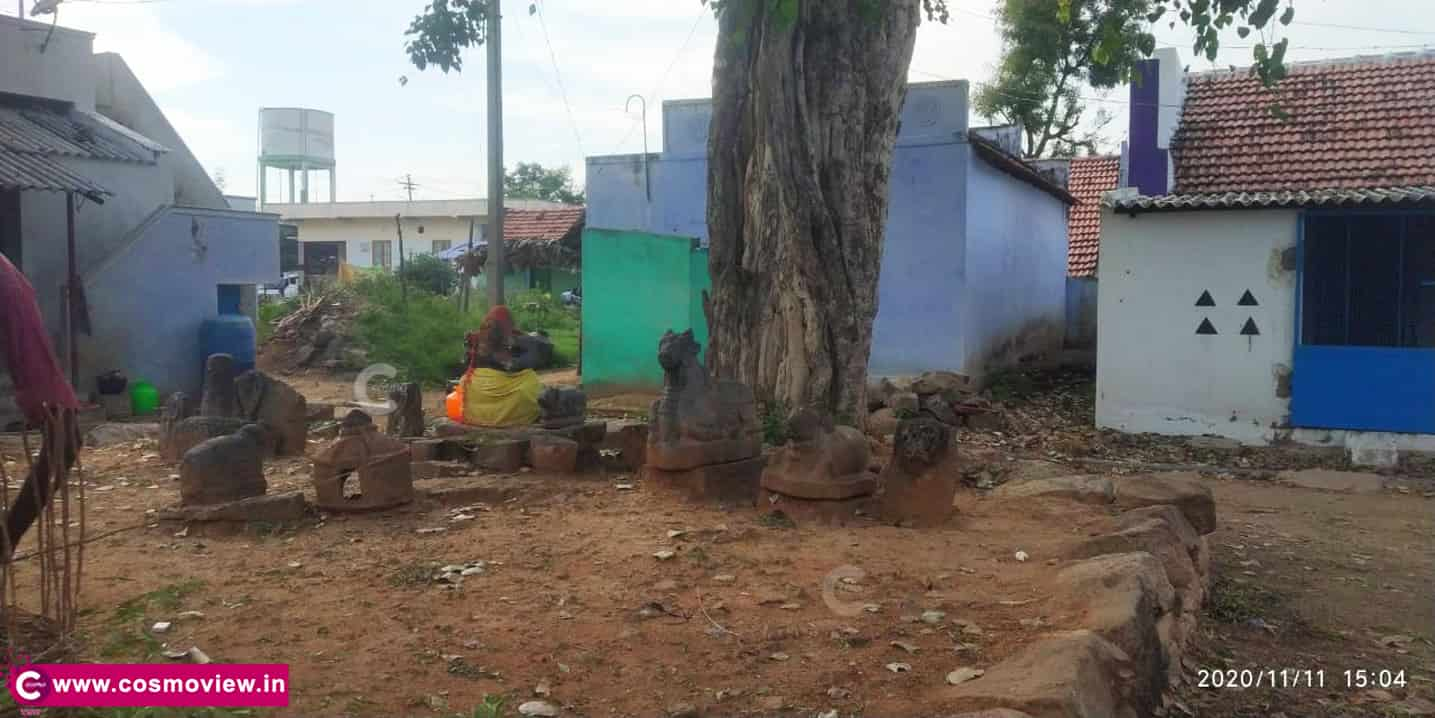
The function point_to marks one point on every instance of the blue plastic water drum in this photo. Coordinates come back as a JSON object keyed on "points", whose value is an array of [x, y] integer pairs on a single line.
{"points": [[231, 334]]}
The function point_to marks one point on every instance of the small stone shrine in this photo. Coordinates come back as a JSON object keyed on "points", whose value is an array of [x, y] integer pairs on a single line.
{"points": [[703, 436], [363, 469], [559, 407], [920, 482], [820, 473]]}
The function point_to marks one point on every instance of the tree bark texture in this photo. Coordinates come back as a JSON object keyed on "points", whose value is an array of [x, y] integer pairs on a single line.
{"points": [[805, 118]]}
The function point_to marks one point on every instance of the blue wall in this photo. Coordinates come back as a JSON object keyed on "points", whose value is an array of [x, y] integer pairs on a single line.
{"points": [[1016, 245], [148, 301], [1081, 312], [919, 324]]}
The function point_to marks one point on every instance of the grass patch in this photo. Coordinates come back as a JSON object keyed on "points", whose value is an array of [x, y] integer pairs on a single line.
{"points": [[776, 520], [1236, 603], [419, 573], [128, 636], [491, 707], [774, 417], [273, 311], [423, 336]]}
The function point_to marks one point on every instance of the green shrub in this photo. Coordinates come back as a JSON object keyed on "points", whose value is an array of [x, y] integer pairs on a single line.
{"points": [[430, 274], [273, 311]]}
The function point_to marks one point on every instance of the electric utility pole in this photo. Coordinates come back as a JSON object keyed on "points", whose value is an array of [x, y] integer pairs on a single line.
{"points": [[496, 250], [408, 183]]}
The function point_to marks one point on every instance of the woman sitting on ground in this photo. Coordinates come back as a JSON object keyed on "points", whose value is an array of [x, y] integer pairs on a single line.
{"points": [[500, 388]]}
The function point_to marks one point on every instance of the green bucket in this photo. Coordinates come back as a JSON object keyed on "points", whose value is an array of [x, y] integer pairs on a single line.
{"points": [[144, 398]]}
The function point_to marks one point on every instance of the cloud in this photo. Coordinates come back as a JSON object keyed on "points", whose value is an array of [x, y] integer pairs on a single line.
{"points": [[161, 58]]}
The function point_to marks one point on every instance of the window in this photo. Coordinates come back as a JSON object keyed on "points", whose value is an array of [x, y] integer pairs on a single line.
{"points": [[441, 245], [1369, 280], [383, 253]]}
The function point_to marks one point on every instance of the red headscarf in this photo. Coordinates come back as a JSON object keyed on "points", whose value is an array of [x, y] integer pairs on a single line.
{"points": [[26, 347], [493, 336]]}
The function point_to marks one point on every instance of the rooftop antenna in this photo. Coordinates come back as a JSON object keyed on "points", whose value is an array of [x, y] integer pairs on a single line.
{"points": [[643, 104], [42, 7]]}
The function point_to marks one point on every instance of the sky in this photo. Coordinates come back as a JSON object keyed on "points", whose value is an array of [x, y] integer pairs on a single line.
{"points": [[211, 64]]}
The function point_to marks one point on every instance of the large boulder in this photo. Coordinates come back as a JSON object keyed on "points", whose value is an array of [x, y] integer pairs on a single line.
{"points": [[1077, 673], [1163, 532], [1184, 490], [941, 382]]}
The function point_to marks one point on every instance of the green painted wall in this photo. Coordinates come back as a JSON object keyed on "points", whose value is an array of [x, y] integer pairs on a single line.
{"points": [[635, 287]]}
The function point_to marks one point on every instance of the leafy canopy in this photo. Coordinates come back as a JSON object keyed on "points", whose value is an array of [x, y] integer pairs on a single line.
{"points": [[1047, 62], [440, 33], [530, 180]]}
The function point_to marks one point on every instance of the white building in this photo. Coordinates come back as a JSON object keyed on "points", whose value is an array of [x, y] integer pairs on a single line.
{"points": [[1271, 275], [365, 234], [157, 247]]}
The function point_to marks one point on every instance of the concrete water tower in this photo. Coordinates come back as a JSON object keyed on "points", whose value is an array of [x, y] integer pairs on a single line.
{"points": [[298, 140]]}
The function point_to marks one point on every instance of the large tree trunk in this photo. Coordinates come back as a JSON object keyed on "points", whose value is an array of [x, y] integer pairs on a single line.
{"points": [[805, 117]]}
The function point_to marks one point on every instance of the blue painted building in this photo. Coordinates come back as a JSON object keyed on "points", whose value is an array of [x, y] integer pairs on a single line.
{"points": [[974, 266]]}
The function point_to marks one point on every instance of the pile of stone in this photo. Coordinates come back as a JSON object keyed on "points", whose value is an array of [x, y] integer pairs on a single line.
{"points": [[945, 396]]}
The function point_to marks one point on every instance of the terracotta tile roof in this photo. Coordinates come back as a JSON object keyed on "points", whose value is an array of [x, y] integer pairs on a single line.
{"points": [[1387, 197], [1357, 123], [1091, 177], [542, 225]]}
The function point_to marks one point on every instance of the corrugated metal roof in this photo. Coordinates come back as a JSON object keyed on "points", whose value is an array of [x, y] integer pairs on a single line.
{"points": [[26, 171], [71, 134], [1421, 196]]}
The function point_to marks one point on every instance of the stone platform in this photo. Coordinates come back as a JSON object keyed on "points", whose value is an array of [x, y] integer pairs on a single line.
{"points": [[734, 483]]}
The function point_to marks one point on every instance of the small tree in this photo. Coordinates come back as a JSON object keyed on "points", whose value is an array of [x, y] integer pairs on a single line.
{"points": [[530, 180], [430, 274]]}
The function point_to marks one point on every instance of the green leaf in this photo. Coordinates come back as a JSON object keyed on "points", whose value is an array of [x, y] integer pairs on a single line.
{"points": [[1243, 31], [532, 9], [784, 13], [1063, 11], [1288, 15], [1265, 9]]}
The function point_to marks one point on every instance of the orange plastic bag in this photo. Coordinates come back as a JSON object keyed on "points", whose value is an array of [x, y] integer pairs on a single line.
{"points": [[453, 404]]}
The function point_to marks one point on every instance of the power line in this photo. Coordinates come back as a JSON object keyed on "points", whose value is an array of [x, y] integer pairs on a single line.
{"points": [[664, 77], [558, 74], [1362, 28]]}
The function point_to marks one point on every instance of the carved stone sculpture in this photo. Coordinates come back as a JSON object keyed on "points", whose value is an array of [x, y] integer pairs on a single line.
{"points": [[920, 483], [189, 433], [219, 397], [696, 422], [363, 469], [407, 418], [820, 461], [225, 468], [276, 405], [559, 407]]}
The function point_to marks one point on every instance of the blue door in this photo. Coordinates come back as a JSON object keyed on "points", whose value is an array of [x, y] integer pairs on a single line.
{"points": [[1365, 339]]}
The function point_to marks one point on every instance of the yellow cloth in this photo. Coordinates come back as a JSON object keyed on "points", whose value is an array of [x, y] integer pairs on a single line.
{"points": [[497, 399], [347, 273]]}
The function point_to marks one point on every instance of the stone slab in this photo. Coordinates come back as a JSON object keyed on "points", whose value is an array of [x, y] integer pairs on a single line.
{"points": [[1184, 490], [502, 455], [274, 508], [834, 513], [426, 449], [735, 482], [553, 455], [440, 469], [846, 487], [1083, 489], [1345, 482], [688, 455], [1077, 673]]}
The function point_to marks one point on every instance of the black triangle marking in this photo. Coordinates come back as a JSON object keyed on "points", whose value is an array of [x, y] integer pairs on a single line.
{"points": [[1248, 300], [1206, 327], [1206, 300], [1250, 330]]}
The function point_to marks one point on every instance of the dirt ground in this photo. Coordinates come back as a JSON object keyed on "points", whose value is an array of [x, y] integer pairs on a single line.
{"points": [[751, 616]]}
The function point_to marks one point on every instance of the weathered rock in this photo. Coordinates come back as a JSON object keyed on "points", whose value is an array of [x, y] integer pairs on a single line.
{"points": [[935, 406], [882, 422], [427, 450], [553, 454], [284, 411], [986, 421], [320, 410], [697, 422], [219, 397], [225, 468], [938, 382], [820, 461], [380, 466], [630, 439], [1345, 482], [407, 418], [426, 470], [273, 509], [1075, 674], [195, 430], [904, 402], [501, 455], [1123, 598], [111, 434], [1185, 491], [831, 512], [1081, 488], [877, 392], [538, 709], [735, 482], [559, 407], [1163, 532], [920, 481]]}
